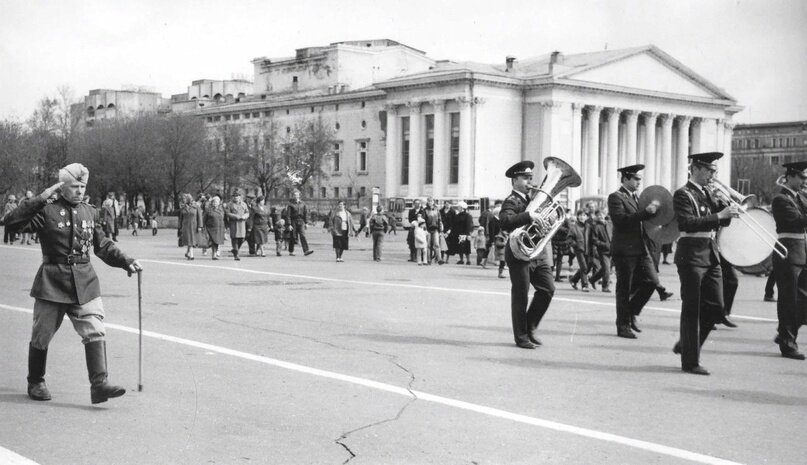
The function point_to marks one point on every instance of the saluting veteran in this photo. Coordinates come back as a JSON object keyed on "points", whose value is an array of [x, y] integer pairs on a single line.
{"points": [[790, 213], [697, 259], [66, 282], [537, 273]]}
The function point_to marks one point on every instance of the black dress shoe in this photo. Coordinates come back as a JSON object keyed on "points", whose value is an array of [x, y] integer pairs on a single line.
{"points": [[309, 252], [777, 340], [697, 370], [633, 325], [728, 323], [526, 345], [665, 295], [769, 298], [677, 348], [625, 332], [534, 340], [794, 354], [605, 289], [574, 284]]}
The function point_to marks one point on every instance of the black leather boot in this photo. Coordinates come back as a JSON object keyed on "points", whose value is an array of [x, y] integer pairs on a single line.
{"points": [[100, 389], [37, 359]]}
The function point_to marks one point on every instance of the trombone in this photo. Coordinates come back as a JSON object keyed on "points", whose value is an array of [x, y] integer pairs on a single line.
{"points": [[731, 197]]}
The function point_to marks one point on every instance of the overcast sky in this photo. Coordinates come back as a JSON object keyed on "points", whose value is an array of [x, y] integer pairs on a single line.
{"points": [[754, 49]]}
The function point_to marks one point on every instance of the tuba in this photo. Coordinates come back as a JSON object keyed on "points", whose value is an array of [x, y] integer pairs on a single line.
{"points": [[527, 242]]}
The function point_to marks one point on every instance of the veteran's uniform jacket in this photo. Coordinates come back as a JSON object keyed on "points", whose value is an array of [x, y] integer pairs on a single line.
{"points": [[514, 214], [67, 234]]}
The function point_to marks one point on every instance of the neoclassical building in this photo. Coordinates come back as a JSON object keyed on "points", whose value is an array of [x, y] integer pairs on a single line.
{"points": [[415, 126]]}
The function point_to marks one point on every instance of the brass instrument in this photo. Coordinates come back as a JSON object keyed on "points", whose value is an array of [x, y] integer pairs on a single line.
{"points": [[736, 244], [527, 242]]}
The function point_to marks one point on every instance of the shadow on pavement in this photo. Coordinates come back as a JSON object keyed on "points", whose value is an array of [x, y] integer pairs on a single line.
{"points": [[583, 366], [745, 396], [18, 398]]}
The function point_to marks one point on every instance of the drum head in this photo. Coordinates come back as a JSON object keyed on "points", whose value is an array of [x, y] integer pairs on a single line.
{"points": [[744, 243], [665, 212]]}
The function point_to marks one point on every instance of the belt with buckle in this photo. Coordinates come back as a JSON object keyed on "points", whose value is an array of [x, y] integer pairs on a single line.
{"points": [[801, 236], [701, 234], [64, 259]]}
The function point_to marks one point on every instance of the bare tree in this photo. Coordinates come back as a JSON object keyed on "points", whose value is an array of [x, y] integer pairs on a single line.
{"points": [[760, 174], [267, 169], [181, 147], [232, 158], [309, 146], [16, 167]]}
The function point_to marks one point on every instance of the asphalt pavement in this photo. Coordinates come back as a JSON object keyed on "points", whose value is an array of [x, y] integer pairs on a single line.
{"points": [[303, 360]]}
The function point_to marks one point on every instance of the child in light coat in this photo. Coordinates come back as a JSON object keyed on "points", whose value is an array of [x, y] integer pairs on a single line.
{"points": [[481, 246], [420, 241]]}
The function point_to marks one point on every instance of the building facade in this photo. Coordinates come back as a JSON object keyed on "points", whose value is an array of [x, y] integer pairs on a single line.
{"points": [[415, 126], [778, 142]]}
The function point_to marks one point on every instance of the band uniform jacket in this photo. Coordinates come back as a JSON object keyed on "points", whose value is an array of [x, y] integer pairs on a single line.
{"points": [[629, 238], [514, 214], [789, 213], [700, 216], [67, 233]]}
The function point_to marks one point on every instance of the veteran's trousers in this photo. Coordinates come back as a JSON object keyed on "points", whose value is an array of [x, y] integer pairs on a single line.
{"points": [[522, 275], [701, 308], [87, 320]]}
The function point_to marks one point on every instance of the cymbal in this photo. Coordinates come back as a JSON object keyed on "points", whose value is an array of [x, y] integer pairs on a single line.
{"points": [[664, 213], [663, 234]]}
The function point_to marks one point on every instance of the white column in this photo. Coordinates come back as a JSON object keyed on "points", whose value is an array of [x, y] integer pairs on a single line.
{"points": [[681, 160], [612, 153], [650, 149], [416, 145], [665, 154], [440, 171], [393, 172], [696, 135], [591, 163], [576, 158], [465, 184], [631, 138]]}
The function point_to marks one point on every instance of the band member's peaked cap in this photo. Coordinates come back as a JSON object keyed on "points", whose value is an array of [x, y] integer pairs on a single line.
{"points": [[706, 159], [797, 167], [522, 167], [632, 169]]}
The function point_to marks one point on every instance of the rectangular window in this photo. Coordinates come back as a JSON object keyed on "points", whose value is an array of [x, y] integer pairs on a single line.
{"points": [[405, 150], [428, 176], [246, 115], [323, 192], [336, 192], [774, 160], [454, 150], [361, 149], [255, 143], [350, 192], [256, 115], [310, 192], [363, 191], [236, 116], [337, 156], [275, 192]]}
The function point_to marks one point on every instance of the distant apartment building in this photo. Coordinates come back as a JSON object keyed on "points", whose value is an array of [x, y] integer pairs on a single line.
{"points": [[103, 104], [778, 142]]}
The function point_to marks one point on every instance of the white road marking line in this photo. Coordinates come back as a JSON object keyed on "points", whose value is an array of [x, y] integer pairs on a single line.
{"points": [[8, 457], [424, 396], [418, 286], [408, 286]]}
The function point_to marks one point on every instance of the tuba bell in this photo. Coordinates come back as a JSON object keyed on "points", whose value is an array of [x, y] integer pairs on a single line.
{"points": [[527, 242]]}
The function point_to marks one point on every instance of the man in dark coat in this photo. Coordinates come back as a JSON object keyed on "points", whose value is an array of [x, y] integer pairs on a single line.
{"points": [[412, 218], [600, 246], [698, 260], [66, 283], [296, 220], [790, 213], [537, 272], [636, 277]]}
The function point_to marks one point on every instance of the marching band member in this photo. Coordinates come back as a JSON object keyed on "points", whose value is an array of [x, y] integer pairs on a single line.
{"points": [[636, 277], [523, 273], [790, 213], [698, 259]]}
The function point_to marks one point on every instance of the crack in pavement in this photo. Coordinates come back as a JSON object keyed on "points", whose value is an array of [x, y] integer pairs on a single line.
{"points": [[390, 358]]}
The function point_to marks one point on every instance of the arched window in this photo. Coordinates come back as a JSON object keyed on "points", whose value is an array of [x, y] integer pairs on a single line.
{"points": [[205, 96], [100, 107], [111, 105], [241, 95], [90, 111], [217, 97], [193, 98]]}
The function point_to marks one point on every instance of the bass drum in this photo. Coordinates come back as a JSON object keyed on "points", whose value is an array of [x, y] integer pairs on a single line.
{"points": [[740, 243]]}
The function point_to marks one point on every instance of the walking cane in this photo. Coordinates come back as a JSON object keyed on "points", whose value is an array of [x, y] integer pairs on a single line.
{"points": [[140, 331]]}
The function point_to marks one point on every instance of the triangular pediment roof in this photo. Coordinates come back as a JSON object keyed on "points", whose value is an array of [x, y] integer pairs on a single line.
{"points": [[645, 68]]}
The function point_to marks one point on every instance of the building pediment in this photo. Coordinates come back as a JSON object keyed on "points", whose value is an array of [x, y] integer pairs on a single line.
{"points": [[647, 69]]}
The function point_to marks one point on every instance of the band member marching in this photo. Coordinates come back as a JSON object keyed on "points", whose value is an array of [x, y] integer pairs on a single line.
{"points": [[790, 213], [532, 265], [636, 277], [66, 282], [698, 260]]}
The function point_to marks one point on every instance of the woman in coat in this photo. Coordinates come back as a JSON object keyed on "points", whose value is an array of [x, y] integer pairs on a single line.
{"points": [[341, 229], [214, 225], [461, 229], [201, 233], [190, 223], [261, 224], [237, 213]]}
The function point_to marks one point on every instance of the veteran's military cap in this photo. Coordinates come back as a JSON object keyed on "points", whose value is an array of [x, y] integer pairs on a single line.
{"points": [[797, 167], [706, 159], [630, 170], [522, 167]]}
